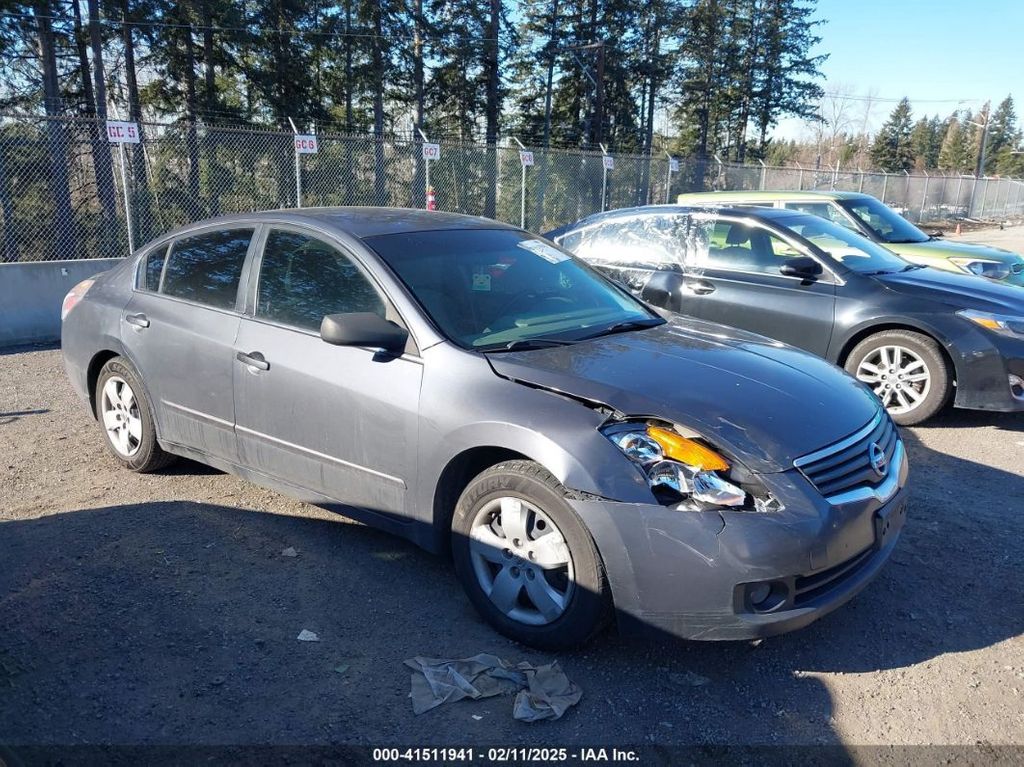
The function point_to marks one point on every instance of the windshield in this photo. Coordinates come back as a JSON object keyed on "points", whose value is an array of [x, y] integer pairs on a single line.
{"points": [[887, 224], [839, 243], [493, 289]]}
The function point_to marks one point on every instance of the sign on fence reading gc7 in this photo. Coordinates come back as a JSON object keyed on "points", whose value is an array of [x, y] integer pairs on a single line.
{"points": [[431, 151], [122, 132], [305, 144]]}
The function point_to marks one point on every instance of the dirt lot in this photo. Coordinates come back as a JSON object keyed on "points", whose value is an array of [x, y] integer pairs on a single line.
{"points": [[159, 609]]}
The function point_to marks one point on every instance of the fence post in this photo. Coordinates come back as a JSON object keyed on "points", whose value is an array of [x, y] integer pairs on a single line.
{"points": [[860, 182], [800, 178], [127, 200], [984, 194], [764, 173], [885, 184], [298, 167], [522, 191], [924, 196]]}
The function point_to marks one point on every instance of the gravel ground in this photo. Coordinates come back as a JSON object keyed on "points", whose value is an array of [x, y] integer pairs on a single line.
{"points": [[159, 609]]}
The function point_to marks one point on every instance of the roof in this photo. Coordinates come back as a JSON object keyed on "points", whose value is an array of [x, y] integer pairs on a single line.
{"points": [[755, 195], [770, 214], [361, 222]]}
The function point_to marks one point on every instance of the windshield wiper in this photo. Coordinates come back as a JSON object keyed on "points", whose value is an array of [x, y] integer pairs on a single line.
{"points": [[524, 344], [626, 325], [912, 267]]}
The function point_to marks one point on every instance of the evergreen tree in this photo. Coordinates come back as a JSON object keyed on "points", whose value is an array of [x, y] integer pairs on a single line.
{"points": [[1003, 138], [892, 150], [955, 152], [926, 141]]}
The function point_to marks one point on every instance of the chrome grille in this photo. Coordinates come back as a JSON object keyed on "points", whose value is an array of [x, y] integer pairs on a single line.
{"points": [[845, 471]]}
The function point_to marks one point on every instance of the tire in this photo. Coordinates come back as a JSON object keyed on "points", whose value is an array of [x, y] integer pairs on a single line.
{"points": [[926, 383], [121, 403], [581, 596]]}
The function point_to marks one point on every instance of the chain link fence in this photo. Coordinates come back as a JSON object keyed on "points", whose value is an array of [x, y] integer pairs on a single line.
{"points": [[66, 193]]}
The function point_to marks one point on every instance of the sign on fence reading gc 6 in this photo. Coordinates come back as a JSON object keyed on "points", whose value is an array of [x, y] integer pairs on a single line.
{"points": [[122, 132], [305, 144]]}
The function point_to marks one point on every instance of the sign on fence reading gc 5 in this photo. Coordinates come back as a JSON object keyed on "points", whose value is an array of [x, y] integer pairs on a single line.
{"points": [[122, 132], [305, 144]]}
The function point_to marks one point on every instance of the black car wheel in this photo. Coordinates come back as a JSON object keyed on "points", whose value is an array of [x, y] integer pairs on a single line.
{"points": [[526, 560], [907, 371], [127, 420]]}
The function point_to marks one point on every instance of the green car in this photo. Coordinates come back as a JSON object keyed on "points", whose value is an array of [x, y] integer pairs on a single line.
{"points": [[875, 220]]}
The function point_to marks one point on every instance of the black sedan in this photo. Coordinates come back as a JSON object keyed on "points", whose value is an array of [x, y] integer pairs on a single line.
{"points": [[917, 336]]}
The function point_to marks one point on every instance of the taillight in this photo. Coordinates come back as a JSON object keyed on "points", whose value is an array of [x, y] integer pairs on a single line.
{"points": [[76, 294]]}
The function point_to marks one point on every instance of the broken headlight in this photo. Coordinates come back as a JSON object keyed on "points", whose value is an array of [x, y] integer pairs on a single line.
{"points": [[682, 471]]}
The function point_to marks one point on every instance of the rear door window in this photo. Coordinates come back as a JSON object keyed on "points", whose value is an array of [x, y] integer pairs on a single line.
{"points": [[206, 268]]}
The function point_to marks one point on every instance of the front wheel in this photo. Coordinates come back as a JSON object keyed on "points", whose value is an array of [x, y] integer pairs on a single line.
{"points": [[525, 559], [906, 370]]}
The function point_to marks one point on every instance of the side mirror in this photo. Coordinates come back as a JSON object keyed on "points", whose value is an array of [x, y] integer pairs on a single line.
{"points": [[363, 329], [804, 267]]}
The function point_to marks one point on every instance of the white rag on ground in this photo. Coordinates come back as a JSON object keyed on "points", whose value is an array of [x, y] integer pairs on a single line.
{"points": [[544, 692]]}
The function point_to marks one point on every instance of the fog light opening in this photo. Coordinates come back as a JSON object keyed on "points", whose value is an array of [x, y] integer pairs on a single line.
{"points": [[1017, 387], [766, 596]]}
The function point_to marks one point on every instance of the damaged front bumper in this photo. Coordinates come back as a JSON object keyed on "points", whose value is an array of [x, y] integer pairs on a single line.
{"points": [[719, 575]]}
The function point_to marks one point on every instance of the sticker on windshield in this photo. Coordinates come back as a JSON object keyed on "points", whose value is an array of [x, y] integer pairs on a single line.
{"points": [[481, 282], [545, 251]]}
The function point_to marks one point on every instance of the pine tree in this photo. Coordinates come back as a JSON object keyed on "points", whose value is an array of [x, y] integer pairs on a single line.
{"points": [[892, 149], [926, 141], [955, 152], [1003, 138]]}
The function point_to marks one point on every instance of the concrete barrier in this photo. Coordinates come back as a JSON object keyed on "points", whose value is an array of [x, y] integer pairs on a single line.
{"points": [[31, 294]]}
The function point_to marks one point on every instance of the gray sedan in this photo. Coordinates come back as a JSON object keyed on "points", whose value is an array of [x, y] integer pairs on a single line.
{"points": [[482, 392]]}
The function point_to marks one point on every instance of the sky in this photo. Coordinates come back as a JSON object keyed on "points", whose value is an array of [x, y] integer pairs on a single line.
{"points": [[937, 53]]}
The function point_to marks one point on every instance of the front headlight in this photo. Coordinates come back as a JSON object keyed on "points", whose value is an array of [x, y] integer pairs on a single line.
{"points": [[1004, 324], [994, 270], [682, 471]]}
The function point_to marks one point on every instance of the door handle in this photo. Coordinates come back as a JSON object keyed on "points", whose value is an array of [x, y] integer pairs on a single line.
{"points": [[700, 287], [138, 320], [253, 360]]}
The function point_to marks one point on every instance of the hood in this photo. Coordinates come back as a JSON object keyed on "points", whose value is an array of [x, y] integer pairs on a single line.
{"points": [[940, 248], [958, 291], [763, 402]]}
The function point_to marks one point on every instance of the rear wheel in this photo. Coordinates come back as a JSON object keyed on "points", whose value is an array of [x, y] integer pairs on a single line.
{"points": [[127, 420], [526, 560], [907, 371]]}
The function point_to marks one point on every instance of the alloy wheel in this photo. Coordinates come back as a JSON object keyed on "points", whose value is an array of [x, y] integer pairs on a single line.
{"points": [[521, 561], [121, 418], [898, 376]]}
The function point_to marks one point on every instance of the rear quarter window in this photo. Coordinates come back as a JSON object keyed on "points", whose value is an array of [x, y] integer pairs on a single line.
{"points": [[154, 267], [206, 268]]}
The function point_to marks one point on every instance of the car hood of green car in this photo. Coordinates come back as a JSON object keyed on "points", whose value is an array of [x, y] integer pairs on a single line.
{"points": [[939, 248], [945, 249]]}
